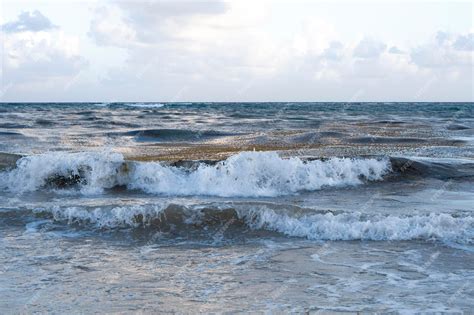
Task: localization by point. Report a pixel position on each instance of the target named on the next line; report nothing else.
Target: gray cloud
(465, 42)
(369, 48)
(334, 51)
(446, 51)
(29, 21)
(395, 50)
(429, 57)
(442, 37)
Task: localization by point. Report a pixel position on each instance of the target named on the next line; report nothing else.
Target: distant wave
(173, 135)
(140, 105)
(247, 174)
(144, 105)
(315, 226)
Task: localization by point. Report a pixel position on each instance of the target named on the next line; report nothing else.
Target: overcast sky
(108, 51)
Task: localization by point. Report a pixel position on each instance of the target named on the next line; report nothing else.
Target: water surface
(291, 207)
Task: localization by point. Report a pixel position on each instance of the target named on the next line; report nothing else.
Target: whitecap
(247, 174)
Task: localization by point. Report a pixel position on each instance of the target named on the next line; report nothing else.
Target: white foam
(100, 170)
(125, 216)
(145, 105)
(247, 174)
(256, 174)
(357, 226)
(344, 226)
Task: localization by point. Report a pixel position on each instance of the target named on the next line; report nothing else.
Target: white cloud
(205, 40)
(109, 27)
(217, 49)
(35, 54)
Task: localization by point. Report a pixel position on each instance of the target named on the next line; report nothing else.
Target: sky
(237, 50)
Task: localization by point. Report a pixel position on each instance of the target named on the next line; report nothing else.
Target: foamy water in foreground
(123, 207)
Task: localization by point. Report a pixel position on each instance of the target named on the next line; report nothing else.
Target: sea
(309, 208)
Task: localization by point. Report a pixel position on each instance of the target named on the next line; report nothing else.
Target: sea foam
(144, 105)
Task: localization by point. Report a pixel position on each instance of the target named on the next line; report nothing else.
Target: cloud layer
(224, 51)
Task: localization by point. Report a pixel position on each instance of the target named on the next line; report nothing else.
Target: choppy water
(240, 207)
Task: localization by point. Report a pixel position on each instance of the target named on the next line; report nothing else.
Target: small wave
(101, 104)
(144, 105)
(45, 122)
(456, 127)
(173, 135)
(385, 140)
(10, 125)
(139, 105)
(359, 226)
(469, 140)
(315, 226)
(11, 134)
(434, 168)
(247, 174)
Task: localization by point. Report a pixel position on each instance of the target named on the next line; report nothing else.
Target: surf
(283, 219)
(246, 174)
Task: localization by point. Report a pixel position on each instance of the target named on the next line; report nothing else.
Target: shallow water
(154, 207)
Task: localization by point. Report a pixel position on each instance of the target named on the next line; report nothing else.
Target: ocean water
(251, 207)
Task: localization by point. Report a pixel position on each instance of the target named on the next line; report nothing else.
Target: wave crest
(247, 174)
(92, 172)
(314, 225)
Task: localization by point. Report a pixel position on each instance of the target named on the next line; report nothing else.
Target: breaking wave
(247, 174)
(313, 225)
